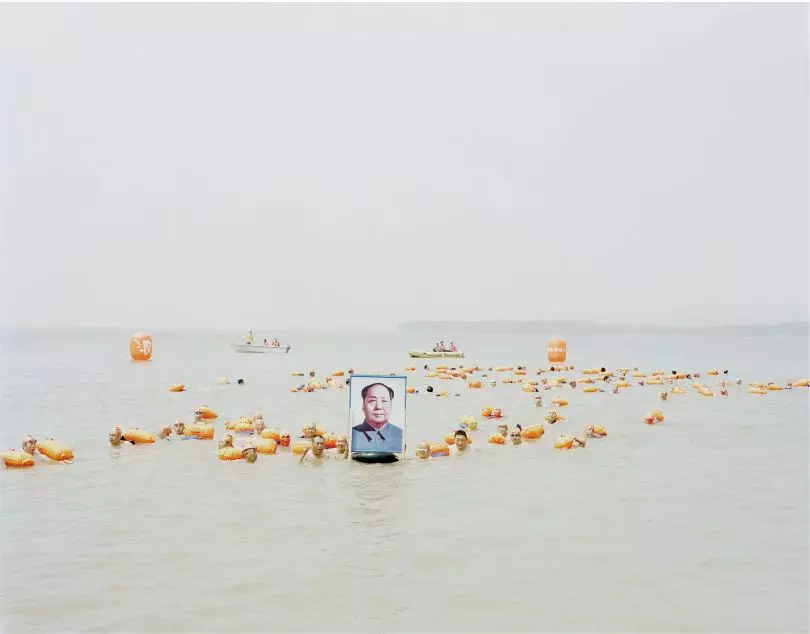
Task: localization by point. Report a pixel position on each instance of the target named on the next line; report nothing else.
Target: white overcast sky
(250, 165)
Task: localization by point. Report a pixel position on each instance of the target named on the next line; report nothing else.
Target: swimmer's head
(249, 453)
(503, 430)
(738, 381)
(589, 431)
(423, 450)
(573, 383)
(284, 439)
(318, 445)
(29, 444)
(179, 427)
(341, 444)
(198, 415)
(515, 437)
(461, 440)
(165, 431)
(311, 430)
(226, 441)
(115, 436)
(663, 395)
(258, 425)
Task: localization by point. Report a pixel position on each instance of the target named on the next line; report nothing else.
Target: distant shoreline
(563, 328)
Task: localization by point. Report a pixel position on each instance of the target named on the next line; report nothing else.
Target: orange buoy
(410, 389)
(496, 439)
(439, 449)
(207, 413)
(140, 346)
(486, 412)
(496, 413)
(557, 351)
(180, 387)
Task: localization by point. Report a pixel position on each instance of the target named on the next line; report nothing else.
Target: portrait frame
(398, 414)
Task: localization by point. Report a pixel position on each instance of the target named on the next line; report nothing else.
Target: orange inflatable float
(757, 390)
(239, 425)
(774, 388)
(559, 401)
(410, 389)
(450, 439)
(266, 446)
(802, 383)
(18, 459)
(564, 442)
(180, 387)
(208, 413)
(713, 372)
(533, 432)
(599, 431)
(230, 453)
(140, 347)
(299, 446)
(439, 449)
(203, 432)
(273, 433)
(496, 439)
(557, 351)
(139, 436)
(590, 389)
(54, 450)
(474, 384)
(337, 373)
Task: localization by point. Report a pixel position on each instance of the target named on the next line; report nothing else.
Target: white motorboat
(259, 348)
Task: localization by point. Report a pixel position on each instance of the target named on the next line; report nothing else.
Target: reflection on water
(698, 524)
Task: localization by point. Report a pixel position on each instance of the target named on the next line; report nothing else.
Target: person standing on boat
(250, 337)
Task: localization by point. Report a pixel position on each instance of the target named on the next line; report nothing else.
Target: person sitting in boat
(250, 337)
(441, 347)
(276, 343)
(452, 347)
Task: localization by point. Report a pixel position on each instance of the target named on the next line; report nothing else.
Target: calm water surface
(699, 524)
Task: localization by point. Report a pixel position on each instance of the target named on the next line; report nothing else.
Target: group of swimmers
(440, 347)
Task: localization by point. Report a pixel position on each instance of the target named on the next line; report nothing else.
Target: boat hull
(258, 349)
(424, 354)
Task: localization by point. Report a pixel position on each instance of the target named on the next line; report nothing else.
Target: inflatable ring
(17, 459)
(54, 450)
(375, 457)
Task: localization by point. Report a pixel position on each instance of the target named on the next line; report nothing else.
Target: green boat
(426, 354)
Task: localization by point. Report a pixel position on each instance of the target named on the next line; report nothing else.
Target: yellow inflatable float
(266, 446)
(756, 390)
(559, 401)
(180, 387)
(230, 453)
(533, 432)
(139, 436)
(496, 439)
(564, 442)
(590, 389)
(774, 388)
(203, 432)
(54, 450)
(17, 459)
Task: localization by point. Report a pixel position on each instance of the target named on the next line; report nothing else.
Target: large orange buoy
(556, 351)
(140, 346)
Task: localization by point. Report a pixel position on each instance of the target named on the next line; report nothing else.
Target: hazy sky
(259, 166)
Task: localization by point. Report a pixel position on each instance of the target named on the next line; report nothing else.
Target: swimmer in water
(29, 445)
(310, 431)
(198, 417)
(663, 395)
(315, 450)
(589, 431)
(423, 450)
(226, 441)
(258, 425)
(116, 437)
(573, 384)
(179, 428)
(342, 446)
(284, 439)
(461, 440)
(503, 430)
(578, 442)
(724, 392)
(249, 452)
(165, 432)
(515, 436)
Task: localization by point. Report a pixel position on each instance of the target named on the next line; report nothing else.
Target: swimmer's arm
(303, 455)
